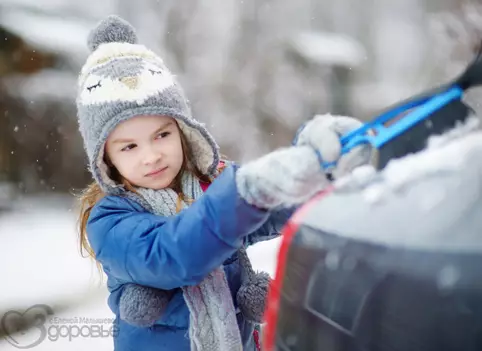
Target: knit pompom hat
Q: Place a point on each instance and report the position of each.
(122, 79)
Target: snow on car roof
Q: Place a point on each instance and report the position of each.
(429, 200)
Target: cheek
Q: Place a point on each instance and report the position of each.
(174, 148)
(123, 162)
(180, 151)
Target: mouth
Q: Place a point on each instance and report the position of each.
(156, 172)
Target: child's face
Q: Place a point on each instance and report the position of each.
(146, 150)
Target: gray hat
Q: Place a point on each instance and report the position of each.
(122, 79)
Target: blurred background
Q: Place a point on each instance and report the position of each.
(253, 70)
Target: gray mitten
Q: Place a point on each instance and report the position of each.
(252, 294)
(282, 178)
(323, 133)
(141, 305)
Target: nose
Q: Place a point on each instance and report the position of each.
(151, 155)
(131, 82)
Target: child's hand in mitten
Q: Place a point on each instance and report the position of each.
(142, 306)
(323, 132)
(283, 178)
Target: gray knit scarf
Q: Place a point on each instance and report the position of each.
(213, 325)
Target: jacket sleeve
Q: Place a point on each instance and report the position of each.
(272, 228)
(136, 246)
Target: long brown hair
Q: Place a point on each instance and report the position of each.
(93, 193)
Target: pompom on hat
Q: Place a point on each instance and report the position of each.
(122, 79)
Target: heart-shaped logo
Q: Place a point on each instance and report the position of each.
(26, 330)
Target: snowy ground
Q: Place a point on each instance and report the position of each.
(41, 264)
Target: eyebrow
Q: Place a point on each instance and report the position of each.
(162, 127)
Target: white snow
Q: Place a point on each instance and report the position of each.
(374, 194)
(437, 186)
(48, 32)
(263, 255)
(363, 173)
(85, 8)
(40, 250)
(471, 124)
(446, 152)
(45, 86)
(440, 155)
(41, 264)
(328, 48)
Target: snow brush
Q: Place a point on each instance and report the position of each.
(404, 128)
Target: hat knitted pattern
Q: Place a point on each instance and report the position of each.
(122, 79)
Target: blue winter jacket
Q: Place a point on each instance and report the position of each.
(135, 246)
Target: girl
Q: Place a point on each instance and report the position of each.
(161, 216)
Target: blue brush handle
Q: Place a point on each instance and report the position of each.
(428, 105)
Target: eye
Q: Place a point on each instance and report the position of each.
(94, 86)
(128, 147)
(163, 135)
(154, 72)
